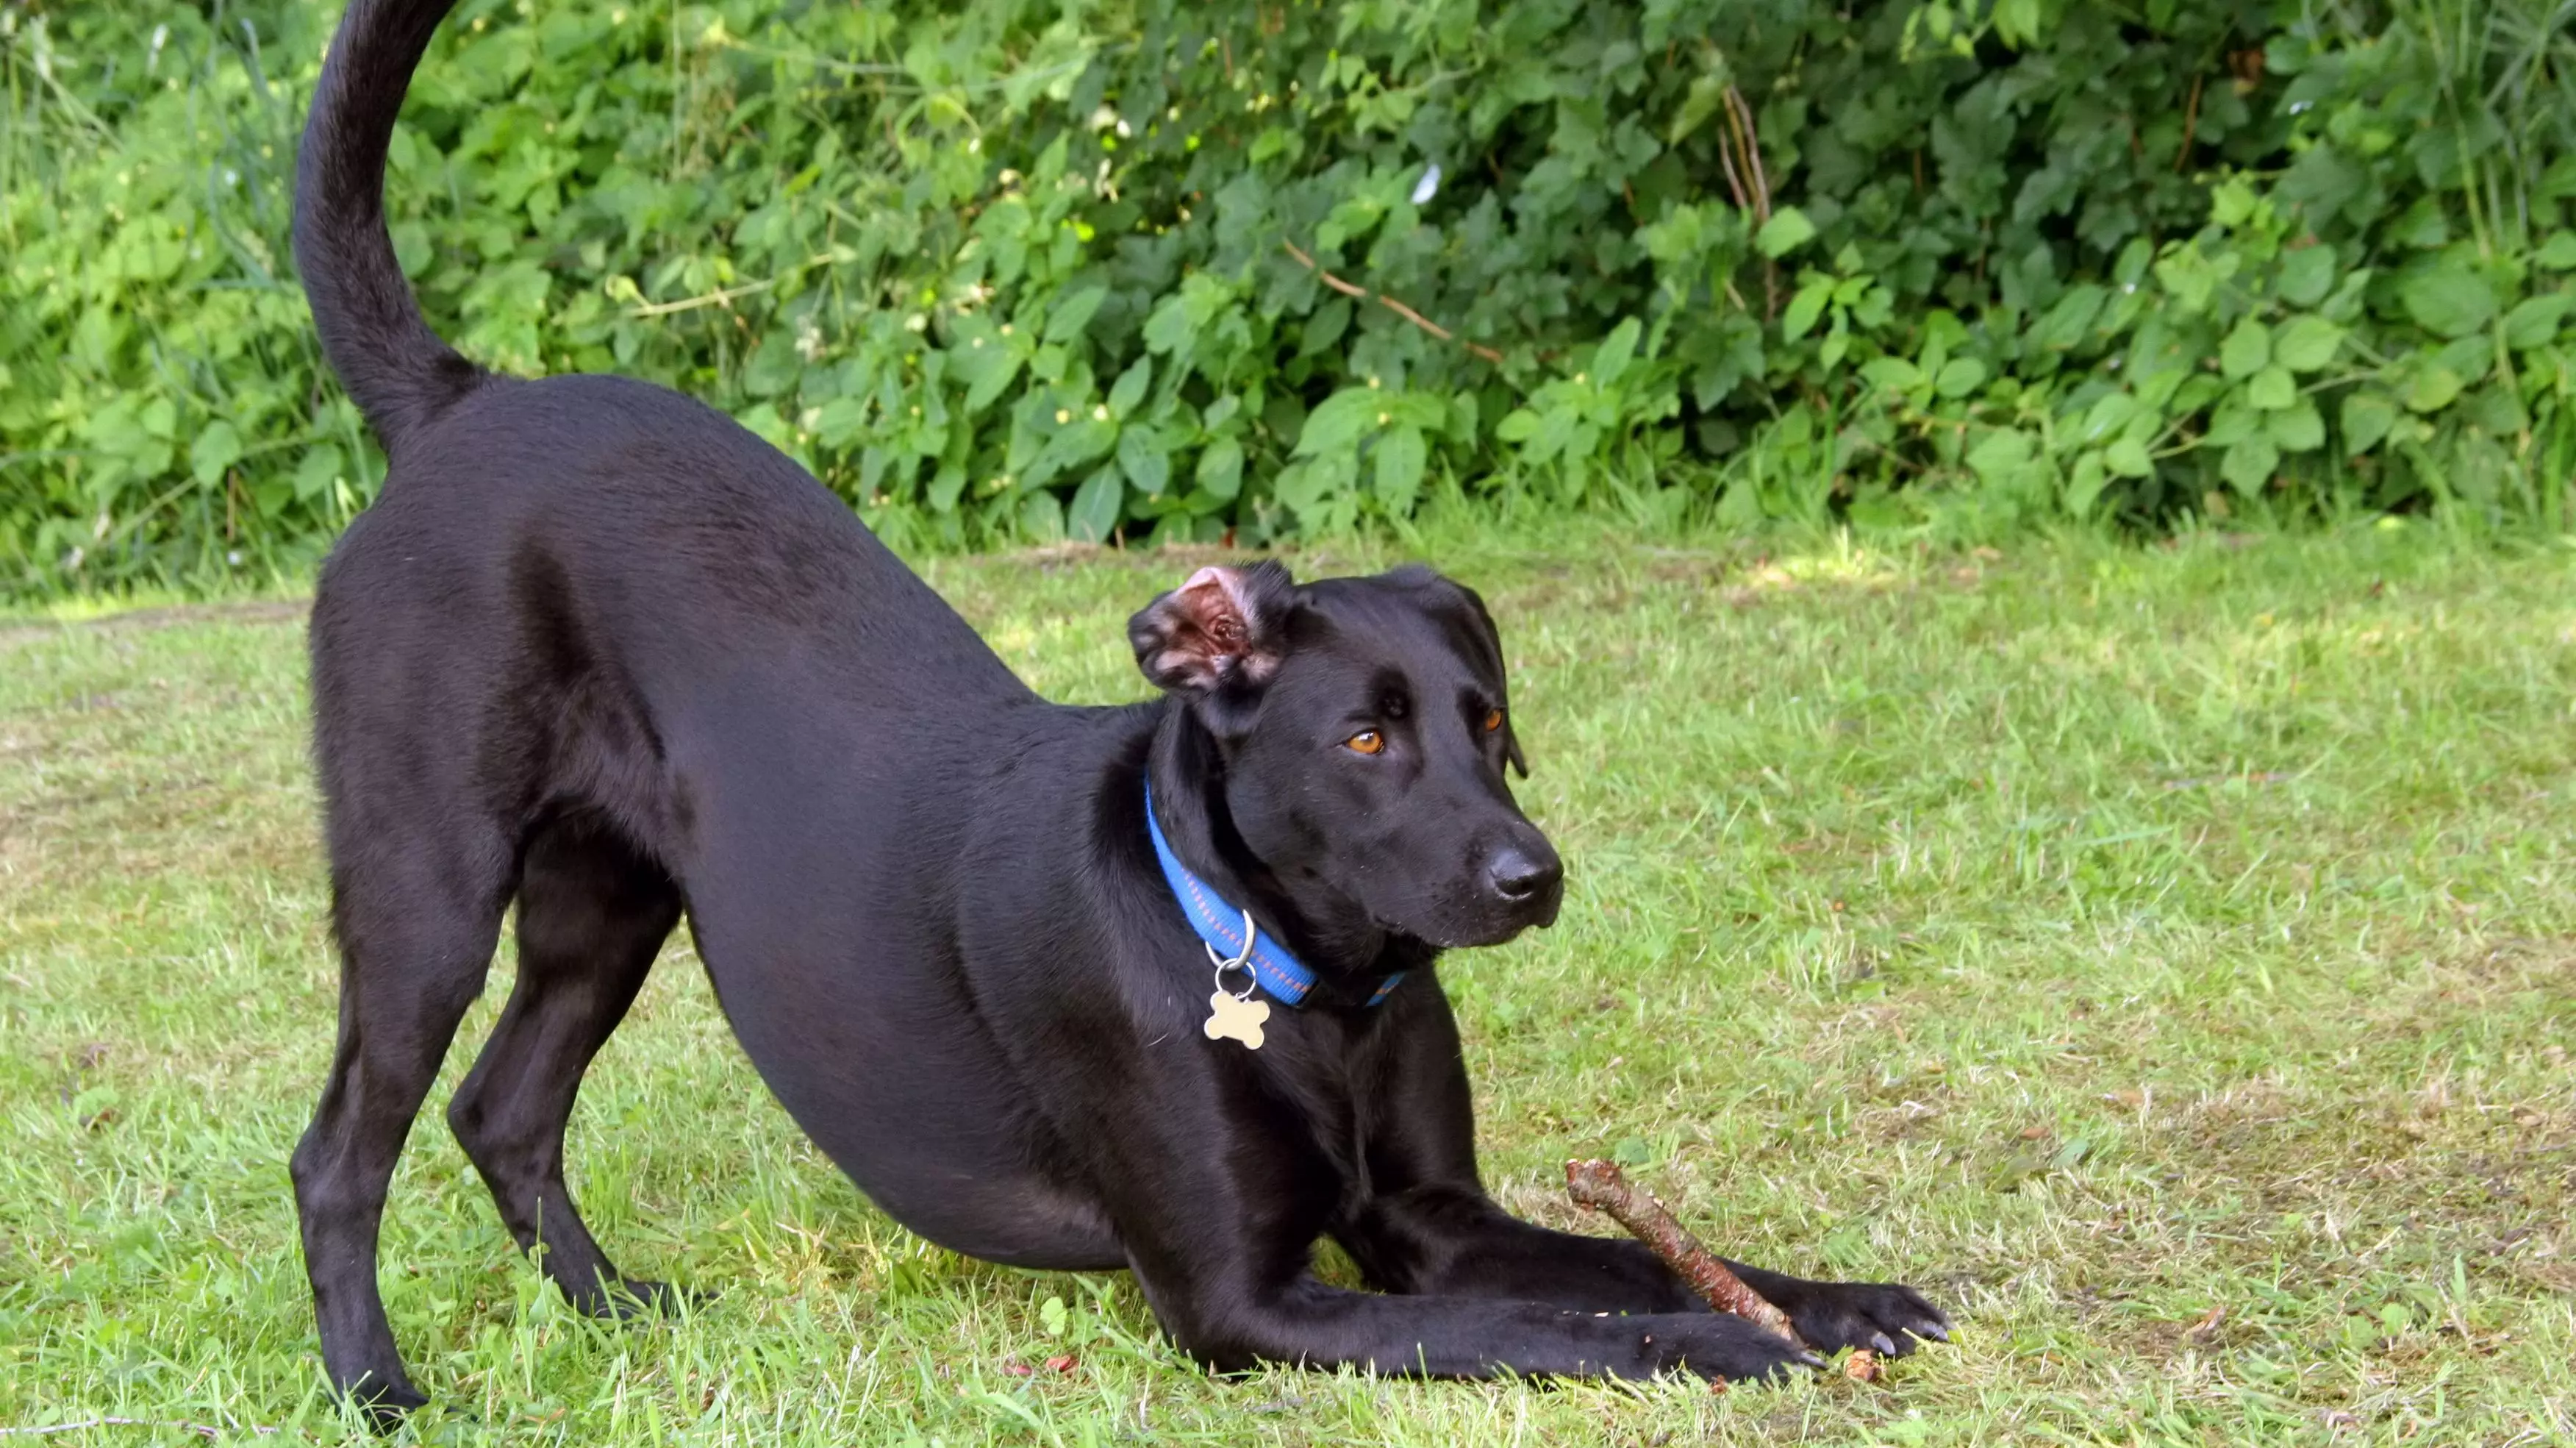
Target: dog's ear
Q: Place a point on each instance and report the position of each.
(1494, 640)
(1224, 630)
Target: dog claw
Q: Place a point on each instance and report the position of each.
(1937, 1331)
(1886, 1345)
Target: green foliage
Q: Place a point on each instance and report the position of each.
(1000, 271)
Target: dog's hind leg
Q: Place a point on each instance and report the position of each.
(417, 920)
(592, 915)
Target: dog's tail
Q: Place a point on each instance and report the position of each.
(395, 367)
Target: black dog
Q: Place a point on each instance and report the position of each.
(599, 651)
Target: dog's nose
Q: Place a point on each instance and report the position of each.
(1518, 875)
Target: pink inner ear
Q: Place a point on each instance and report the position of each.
(1214, 599)
(1213, 603)
(1212, 606)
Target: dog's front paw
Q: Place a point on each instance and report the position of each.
(1713, 1346)
(384, 1404)
(1883, 1316)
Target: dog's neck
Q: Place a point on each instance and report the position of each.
(1327, 930)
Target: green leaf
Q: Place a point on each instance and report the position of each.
(2070, 320)
(1325, 327)
(2249, 463)
(1891, 374)
(1400, 457)
(1804, 309)
(1042, 517)
(2018, 22)
(1611, 358)
(2000, 453)
(2307, 275)
(1518, 425)
(1171, 328)
(1556, 430)
(1339, 423)
(1221, 468)
(1707, 93)
(2085, 483)
(1426, 410)
(2534, 320)
(1130, 388)
(2558, 253)
(2307, 344)
(2128, 457)
(2190, 276)
(1959, 376)
(2434, 388)
(218, 447)
(319, 470)
(2232, 421)
(1074, 443)
(946, 487)
(1074, 313)
(2297, 429)
(988, 377)
(2367, 416)
(1095, 506)
(2272, 389)
(2450, 300)
(1142, 458)
(1786, 231)
(2246, 351)
(2107, 416)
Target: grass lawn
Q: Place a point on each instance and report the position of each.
(2165, 958)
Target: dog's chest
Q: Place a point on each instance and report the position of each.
(1316, 1064)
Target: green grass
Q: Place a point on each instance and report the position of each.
(2099, 939)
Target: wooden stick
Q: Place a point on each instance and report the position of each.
(1601, 1186)
(1351, 289)
(2190, 126)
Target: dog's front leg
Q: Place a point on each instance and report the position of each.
(1218, 1197)
(1308, 1324)
(1452, 1240)
(1429, 1228)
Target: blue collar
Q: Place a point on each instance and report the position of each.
(1221, 926)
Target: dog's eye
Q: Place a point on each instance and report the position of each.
(1493, 720)
(1367, 741)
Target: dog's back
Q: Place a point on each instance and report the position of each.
(534, 536)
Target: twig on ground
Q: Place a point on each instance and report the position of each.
(1601, 1186)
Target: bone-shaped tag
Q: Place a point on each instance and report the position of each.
(1236, 1017)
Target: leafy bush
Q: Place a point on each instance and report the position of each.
(1144, 269)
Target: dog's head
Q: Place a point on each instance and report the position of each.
(1363, 727)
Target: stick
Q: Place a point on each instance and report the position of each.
(1601, 1186)
(2190, 126)
(1351, 289)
